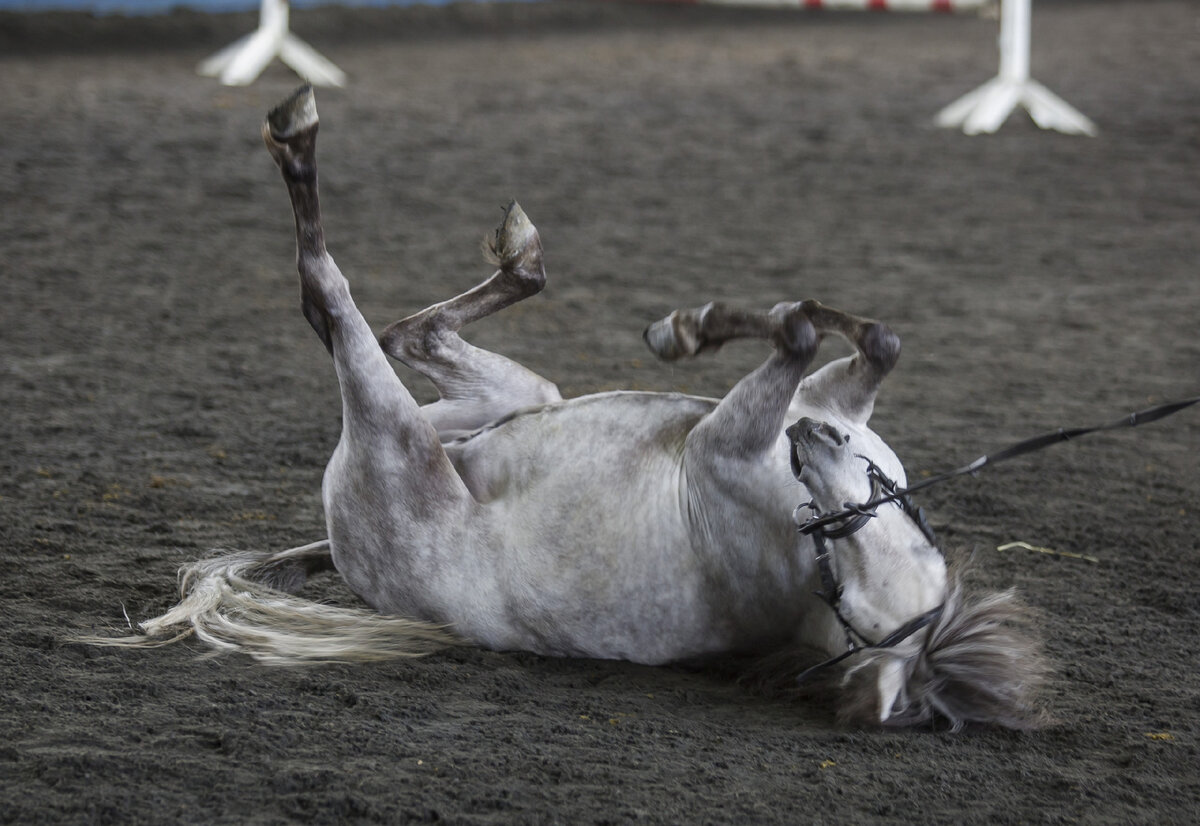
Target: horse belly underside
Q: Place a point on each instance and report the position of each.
(586, 506)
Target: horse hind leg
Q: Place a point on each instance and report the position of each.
(388, 490)
(290, 134)
(366, 379)
(477, 386)
(389, 464)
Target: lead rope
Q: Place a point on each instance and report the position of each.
(1029, 445)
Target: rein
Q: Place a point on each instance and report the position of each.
(853, 516)
(1029, 445)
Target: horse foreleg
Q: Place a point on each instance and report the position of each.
(847, 385)
(476, 386)
(748, 421)
(701, 329)
(850, 385)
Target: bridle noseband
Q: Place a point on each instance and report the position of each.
(847, 522)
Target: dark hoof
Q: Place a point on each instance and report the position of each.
(881, 346)
(294, 115)
(798, 336)
(663, 340)
(517, 248)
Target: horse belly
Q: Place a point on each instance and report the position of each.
(596, 556)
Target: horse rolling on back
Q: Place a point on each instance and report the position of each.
(651, 527)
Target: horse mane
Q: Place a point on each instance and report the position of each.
(980, 662)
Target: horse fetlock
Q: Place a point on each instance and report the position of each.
(795, 333)
(295, 158)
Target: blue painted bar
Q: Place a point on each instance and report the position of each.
(141, 7)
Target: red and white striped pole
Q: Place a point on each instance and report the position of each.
(855, 5)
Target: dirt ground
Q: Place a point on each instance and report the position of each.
(162, 395)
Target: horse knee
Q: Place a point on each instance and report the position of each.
(880, 346)
(420, 340)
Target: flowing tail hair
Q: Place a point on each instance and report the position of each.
(244, 601)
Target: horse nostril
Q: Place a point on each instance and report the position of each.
(829, 433)
(807, 429)
(802, 430)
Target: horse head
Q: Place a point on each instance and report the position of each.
(914, 647)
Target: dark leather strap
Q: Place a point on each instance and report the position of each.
(1021, 448)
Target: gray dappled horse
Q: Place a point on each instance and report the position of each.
(651, 527)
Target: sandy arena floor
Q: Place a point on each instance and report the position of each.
(162, 395)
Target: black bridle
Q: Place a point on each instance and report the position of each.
(852, 519)
(853, 516)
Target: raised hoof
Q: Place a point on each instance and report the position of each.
(295, 114)
(516, 246)
(660, 338)
(671, 339)
(881, 346)
(290, 135)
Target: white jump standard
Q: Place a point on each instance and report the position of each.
(985, 109)
(241, 62)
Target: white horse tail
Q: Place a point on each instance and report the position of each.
(243, 601)
(981, 662)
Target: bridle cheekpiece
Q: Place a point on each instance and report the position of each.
(846, 522)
